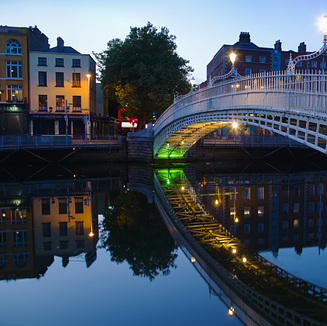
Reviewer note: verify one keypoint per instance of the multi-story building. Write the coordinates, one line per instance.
(63, 95)
(15, 44)
(252, 59)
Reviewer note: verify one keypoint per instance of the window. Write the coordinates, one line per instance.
(63, 231)
(260, 227)
(76, 79)
(19, 216)
(311, 190)
(311, 207)
(232, 229)
(232, 212)
(247, 228)
(285, 191)
(76, 63)
(285, 225)
(79, 228)
(46, 229)
(248, 71)
(3, 260)
(311, 222)
(261, 192)
(248, 58)
(42, 78)
(262, 59)
(285, 208)
(19, 239)
(246, 211)
(42, 61)
(297, 191)
(13, 47)
(79, 244)
(320, 206)
(2, 216)
(261, 210)
(296, 236)
(60, 103)
(246, 193)
(79, 205)
(59, 79)
(314, 64)
(59, 62)
(45, 206)
(15, 93)
(43, 104)
(63, 244)
(62, 205)
(77, 103)
(20, 259)
(296, 223)
(285, 237)
(296, 208)
(14, 69)
(47, 245)
(3, 239)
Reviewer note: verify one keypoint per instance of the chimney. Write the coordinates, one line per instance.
(245, 37)
(278, 45)
(60, 44)
(302, 48)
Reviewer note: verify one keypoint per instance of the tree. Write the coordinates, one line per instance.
(133, 231)
(144, 72)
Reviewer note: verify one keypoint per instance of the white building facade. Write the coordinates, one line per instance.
(62, 92)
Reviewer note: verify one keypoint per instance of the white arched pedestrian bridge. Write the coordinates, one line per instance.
(292, 105)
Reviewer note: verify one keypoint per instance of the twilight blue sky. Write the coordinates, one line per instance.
(201, 27)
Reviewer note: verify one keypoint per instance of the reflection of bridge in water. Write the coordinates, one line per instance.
(259, 290)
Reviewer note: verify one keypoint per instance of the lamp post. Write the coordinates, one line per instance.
(232, 73)
(88, 128)
(292, 63)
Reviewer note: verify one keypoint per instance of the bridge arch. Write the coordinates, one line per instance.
(294, 106)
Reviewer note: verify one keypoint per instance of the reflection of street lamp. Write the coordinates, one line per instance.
(88, 129)
(292, 63)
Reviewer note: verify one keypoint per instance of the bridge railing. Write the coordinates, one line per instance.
(303, 91)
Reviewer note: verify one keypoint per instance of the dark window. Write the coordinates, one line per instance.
(3, 239)
(59, 79)
(45, 206)
(42, 61)
(76, 103)
(79, 205)
(63, 244)
(47, 245)
(59, 62)
(79, 228)
(42, 78)
(60, 103)
(76, 79)
(62, 205)
(46, 229)
(76, 63)
(79, 244)
(63, 231)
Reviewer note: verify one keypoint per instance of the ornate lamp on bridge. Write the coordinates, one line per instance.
(232, 73)
(292, 63)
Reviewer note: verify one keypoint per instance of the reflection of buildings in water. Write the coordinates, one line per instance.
(65, 226)
(16, 240)
(34, 230)
(269, 213)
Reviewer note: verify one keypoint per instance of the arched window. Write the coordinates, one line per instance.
(13, 47)
(20, 259)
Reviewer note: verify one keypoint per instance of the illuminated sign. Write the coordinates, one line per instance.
(125, 124)
(12, 108)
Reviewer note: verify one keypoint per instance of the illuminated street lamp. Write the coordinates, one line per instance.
(232, 73)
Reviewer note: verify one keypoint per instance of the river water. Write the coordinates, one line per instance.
(80, 247)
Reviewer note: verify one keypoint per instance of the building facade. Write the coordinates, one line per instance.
(252, 59)
(15, 45)
(63, 92)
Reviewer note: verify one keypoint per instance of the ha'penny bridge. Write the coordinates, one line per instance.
(257, 290)
(293, 105)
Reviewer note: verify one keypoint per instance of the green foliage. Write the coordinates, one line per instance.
(144, 72)
(133, 231)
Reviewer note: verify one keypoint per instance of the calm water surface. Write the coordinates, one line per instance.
(131, 272)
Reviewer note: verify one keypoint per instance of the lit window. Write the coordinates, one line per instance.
(296, 223)
(76, 79)
(14, 69)
(13, 47)
(246, 211)
(19, 216)
(43, 103)
(261, 193)
(60, 103)
(261, 210)
(232, 212)
(15, 93)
